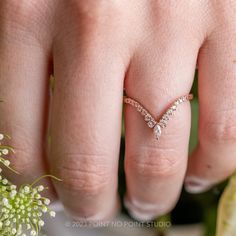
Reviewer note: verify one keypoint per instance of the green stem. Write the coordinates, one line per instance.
(1, 161)
(45, 176)
(7, 147)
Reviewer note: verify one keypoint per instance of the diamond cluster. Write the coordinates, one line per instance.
(147, 116)
(163, 121)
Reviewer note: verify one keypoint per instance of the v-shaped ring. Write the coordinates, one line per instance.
(157, 125)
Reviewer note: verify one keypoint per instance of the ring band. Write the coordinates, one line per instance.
(157, 125)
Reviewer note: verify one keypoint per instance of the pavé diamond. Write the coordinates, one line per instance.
(170, 112)
(144, 112)
(147, 117)
(162, 123)
(165, 117)
(139, 109)
(151, 124)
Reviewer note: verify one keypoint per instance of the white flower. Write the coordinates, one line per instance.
(41, 223)
(27, 189)
(21, 208)
(8, 222)
(52, 213)
(39, 214)
(13, 186)
(39, 203)
(5, 151)
(44, 209)
(5, 201)
(46, 201)
(6, 162)
(1, 136)
(40, 188)
(33, 233)
(13, 193)
(4, 181)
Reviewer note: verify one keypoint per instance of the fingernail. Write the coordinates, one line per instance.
(143, 212)
(94, 217)
(91, 220)
(56, 206)
(196, 185)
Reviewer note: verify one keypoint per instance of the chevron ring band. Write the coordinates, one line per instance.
(157, 125)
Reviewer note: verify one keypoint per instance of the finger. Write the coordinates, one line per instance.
(24, 73)
(155, 169)
(86, 116)
(214, 158)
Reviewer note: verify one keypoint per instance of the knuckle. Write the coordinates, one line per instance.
(23, 11)
(86, 177)
(154, 163)
(224, 12)
(93, 23)
(27, 20)
(97, 9)
(175, 13)
(84, 180)
(92, 16)
(178, 8)
(218, 132)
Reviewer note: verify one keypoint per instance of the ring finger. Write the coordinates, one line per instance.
(155, 169)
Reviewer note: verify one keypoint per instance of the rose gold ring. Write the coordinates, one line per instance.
(157, 125)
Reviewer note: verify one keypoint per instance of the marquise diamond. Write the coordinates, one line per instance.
(157, 131)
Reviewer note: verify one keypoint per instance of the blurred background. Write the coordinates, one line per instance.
(193, 215)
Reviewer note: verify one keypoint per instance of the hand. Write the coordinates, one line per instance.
(94, 49)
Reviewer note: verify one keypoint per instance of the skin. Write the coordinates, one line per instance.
(95, 49)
